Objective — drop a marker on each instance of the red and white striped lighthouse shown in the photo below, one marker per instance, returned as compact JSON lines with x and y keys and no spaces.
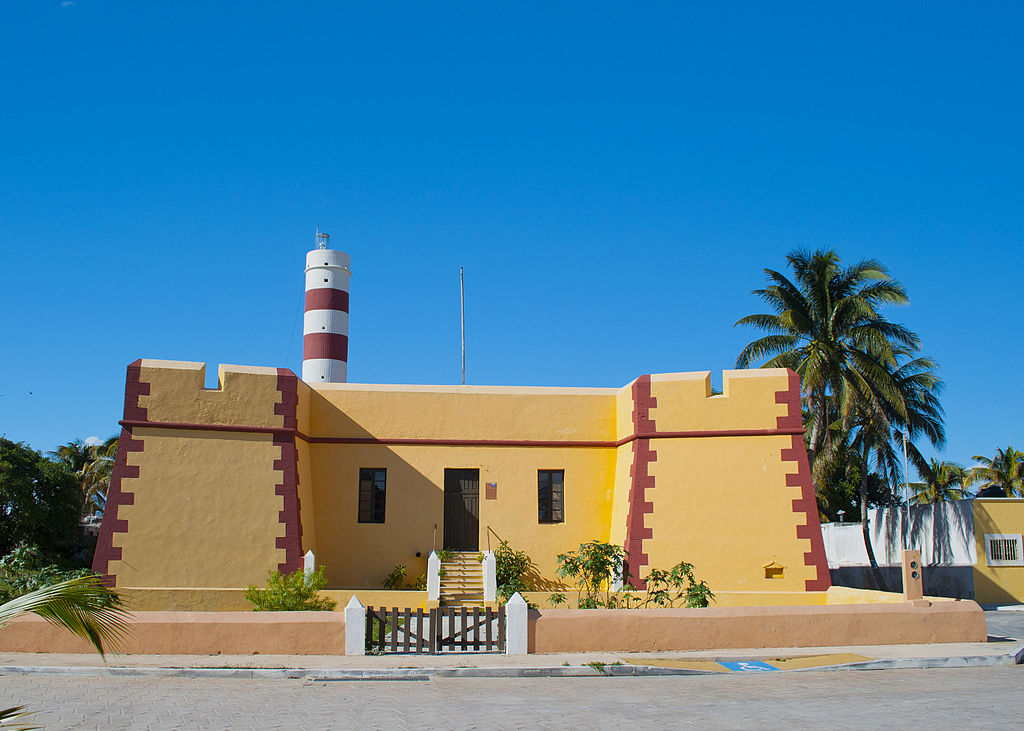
{"x":325,"y":325}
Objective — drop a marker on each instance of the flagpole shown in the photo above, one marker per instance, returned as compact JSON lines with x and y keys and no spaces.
{"x":462,"y":310}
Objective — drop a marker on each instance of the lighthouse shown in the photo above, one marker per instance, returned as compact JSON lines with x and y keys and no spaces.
{"x":325,"y":324}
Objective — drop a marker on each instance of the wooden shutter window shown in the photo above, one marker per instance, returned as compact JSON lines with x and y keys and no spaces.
{"x":551,"y":496}
{"x":372,"y":494}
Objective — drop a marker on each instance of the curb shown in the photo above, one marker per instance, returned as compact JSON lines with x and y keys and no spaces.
{"x":927,"y":663}
{"x":321,"y":674}
{"x":420,"y":674}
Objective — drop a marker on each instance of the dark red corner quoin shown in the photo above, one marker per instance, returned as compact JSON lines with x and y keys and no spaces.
{"x":287,"y":465}
{"x":640,"y":480}
{"x":806,"y":503}
{"x":134,"y":387}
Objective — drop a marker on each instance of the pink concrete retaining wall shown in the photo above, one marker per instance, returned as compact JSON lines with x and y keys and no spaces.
{"x":551,"y":630}
{"x":582,"y":630}
{"x":196,"y":633}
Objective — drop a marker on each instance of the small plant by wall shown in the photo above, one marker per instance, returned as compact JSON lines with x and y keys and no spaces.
{"x":291,"y":592}
{"x":593,"y":567}
{"x":511,"y":569}
{"x":24,"y":569}
{"x":395,"y":579}
{"x":678,"y":584}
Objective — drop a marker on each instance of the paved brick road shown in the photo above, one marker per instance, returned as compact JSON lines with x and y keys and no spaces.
{"x":970,"y":697}
{"x":1006,"y":623}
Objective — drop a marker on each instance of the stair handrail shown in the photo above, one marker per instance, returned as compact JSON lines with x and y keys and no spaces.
{"x":489,"y":531}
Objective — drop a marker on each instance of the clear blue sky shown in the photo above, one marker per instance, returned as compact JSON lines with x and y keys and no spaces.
{"x":613,"y":177}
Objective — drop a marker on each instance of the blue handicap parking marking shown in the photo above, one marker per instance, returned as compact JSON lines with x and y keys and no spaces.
{"x":756,"y":666}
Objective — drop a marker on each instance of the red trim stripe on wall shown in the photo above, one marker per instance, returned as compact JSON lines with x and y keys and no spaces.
{"x":325,"y":345}
{"x":326,"y":299}
{"x":450,"y":442}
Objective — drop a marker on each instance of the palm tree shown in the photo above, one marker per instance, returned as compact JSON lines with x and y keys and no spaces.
{"x":881,"y":421}
{"x":1003,"y":472}
{"x":858,"y":371}
{"x":826,"y":327}
{"x":96,"y":476}
{"x":75,"y":454}
{"x":92,"y":464}
{"x":82,"y":605}
{"x":943,"y":482}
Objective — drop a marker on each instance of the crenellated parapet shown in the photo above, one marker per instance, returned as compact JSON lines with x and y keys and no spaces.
{"x":245,"y":395}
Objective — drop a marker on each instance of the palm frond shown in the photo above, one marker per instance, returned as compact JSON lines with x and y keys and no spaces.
{"x":9,"y":715}
{"x":82,"y":605}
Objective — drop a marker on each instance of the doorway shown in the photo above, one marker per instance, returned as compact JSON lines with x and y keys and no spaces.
{"x":462,"y":510}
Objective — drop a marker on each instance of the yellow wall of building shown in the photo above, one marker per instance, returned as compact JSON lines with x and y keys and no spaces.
{"x":307,"y":500}
{"x":723,"y":505}
{"x":362,"y":554}
{"x":997,"y":584}
{"x":206,"y":514}
{"x":204,"y":511}
{"x":463,"y":412}
{"x":722,"y":502}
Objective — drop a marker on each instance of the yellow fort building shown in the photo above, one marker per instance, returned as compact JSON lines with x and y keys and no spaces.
{"x":214,"y":487}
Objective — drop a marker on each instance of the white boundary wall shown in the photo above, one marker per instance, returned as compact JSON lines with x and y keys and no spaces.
{"x":944,"y":533}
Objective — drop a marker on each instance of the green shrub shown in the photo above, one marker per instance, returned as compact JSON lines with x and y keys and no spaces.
{"x":665,"y":588}
{"x":510,"y":570}
{"x":594,"y":566}
{"x":24,"y":569}
{"x":395,"y":579}
{"x":291,"y":592}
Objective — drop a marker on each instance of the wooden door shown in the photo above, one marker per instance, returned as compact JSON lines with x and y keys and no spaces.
{"x":462,"y":510}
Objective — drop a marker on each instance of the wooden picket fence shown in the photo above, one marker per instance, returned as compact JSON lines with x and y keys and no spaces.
{"x":441,"y":630}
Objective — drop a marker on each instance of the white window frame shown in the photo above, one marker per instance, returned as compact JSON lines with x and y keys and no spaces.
{"x":1016,"y":537}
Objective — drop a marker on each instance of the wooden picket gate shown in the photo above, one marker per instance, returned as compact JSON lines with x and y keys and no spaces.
{"x":441,"y":630}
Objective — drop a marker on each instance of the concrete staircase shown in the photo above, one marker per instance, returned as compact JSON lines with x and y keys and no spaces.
{"x":462,"y":580}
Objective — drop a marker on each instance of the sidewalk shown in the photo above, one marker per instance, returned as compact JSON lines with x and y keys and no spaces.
{"x":419,"y":667}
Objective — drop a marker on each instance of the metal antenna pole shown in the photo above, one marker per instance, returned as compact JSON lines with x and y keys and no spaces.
{"x":462,"y":310}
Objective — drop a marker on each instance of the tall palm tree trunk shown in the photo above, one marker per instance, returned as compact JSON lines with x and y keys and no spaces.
{"x":865,"y":528}
{"x":818,"y":429}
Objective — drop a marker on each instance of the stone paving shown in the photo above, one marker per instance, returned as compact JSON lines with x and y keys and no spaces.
{"x":969,"y":697}
{"x":1006,"y":623}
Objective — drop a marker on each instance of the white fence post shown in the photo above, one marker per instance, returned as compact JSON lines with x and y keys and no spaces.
{"x":517,"y":619}
{"x":490,"y":569}
{"x":308,"y":563}
{"x":433,"y":577}
{"x":355,"y":627}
